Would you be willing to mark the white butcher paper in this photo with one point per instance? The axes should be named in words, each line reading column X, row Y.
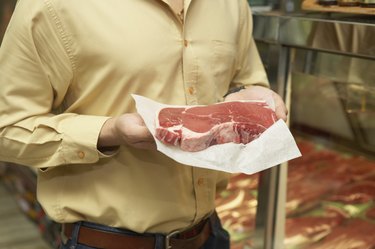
column 275, row 146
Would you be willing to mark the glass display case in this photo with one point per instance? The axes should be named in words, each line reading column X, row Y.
column 331, row 188
column 322, row 61
column 6, row 10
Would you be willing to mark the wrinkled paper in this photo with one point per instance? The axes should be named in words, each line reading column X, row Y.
column 275, row 145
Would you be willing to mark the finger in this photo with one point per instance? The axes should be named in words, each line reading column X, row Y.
column 281, row 112
column 146, row 145
column 139, row 133
column 139, row 120
column 145, row 133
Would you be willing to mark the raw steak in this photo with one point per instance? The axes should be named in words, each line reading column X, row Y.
column 196, row 128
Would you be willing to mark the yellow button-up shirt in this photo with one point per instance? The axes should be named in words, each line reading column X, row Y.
column 66, row 66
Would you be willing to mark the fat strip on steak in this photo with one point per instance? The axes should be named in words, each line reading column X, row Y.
column 196, row 128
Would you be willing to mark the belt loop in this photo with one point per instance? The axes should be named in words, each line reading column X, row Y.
column 159, row 241
column 75, row 234
column 212, row 220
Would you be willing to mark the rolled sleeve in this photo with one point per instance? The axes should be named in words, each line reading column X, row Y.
column 36, row 73
column 80, row 136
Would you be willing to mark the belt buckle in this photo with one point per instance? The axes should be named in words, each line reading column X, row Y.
column 168, row 239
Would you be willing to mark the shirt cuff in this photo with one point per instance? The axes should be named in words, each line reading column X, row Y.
column 80, row 137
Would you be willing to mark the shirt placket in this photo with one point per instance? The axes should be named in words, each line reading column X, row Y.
column 202, row 193
column 190, row 74
column 190, row 79
column 189, row 61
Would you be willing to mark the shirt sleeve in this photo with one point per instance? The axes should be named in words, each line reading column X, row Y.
column 36, row 71
column 250, row 69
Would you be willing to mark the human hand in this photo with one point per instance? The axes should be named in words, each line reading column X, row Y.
column 261, row 93
column 127, row 129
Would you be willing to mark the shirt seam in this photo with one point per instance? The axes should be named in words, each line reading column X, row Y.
column 242, row 16
column 240, row 52
column 62, row 33
column 28, row 160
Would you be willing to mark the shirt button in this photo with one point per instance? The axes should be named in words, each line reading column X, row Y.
column 191, row 90
column 200, row 181
column 186, row 43
column 81, row 154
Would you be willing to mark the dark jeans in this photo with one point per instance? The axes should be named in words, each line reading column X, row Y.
column 219, row 238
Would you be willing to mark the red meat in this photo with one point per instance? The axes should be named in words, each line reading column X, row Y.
column 359, row 192
column 356, row 234
column 196, row 128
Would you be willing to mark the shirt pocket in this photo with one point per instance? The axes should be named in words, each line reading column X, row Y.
column 224, row 62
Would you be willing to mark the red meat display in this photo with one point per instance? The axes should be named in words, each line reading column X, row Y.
column 330, row 201
column 305, row 230
column 359, row 192
column 354, row 234
column 370, row 214
column 337, row 187
column 236, row 207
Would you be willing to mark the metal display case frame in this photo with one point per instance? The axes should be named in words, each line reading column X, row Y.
column 281, row 34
